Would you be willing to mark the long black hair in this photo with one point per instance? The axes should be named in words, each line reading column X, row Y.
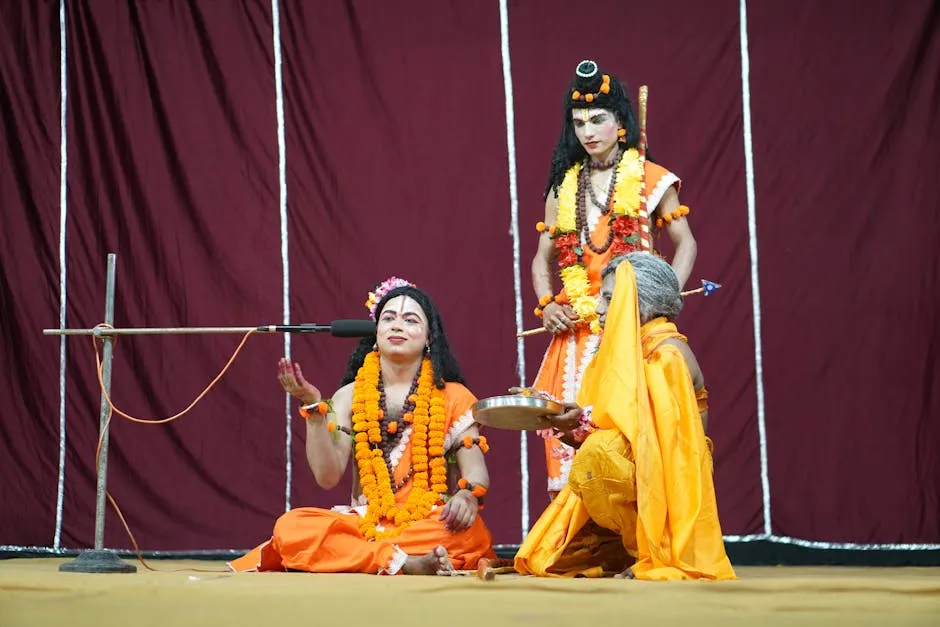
column 443, row 362
column 569, row 150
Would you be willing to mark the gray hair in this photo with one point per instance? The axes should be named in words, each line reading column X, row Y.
column 657, row 286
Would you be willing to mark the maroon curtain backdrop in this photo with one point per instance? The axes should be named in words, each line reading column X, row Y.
column 846, row 129
column 172, row 165
column 396, row 154
column 695, row 130
column 29, row 282
column 396, row 163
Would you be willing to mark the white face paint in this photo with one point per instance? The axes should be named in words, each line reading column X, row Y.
column 402, row 328
column 596, row 129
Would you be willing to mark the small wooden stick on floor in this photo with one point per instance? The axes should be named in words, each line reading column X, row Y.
column 485, row 571
column 487, row 568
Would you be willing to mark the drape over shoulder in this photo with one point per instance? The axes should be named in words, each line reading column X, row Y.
column 646, row 474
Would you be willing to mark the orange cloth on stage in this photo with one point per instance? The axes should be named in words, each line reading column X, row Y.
column 645, row 474
column 326, row 541
column 329, row 541
column 568, row 353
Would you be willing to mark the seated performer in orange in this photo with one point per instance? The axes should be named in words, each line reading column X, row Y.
column 640, row 499
column 603, row 198
column 419, row 473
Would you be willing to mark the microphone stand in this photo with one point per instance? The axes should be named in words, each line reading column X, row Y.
column 99, row 559
column 107, row 332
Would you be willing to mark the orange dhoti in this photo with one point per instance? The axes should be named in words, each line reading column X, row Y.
column 560, row 375
column 569, row 353
column 328, row 541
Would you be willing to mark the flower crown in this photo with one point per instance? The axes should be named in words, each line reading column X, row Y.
column 383, row 288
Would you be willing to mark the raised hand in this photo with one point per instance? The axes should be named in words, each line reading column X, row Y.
column 291, row 378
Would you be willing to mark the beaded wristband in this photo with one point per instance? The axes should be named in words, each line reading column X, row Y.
column 479, row 490
column 543, row 303
column 320, row 408
column 469, row 442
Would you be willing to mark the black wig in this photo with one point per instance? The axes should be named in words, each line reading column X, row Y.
column 588, row 79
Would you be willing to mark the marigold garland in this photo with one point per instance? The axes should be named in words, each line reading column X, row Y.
column 429, row 478
column 624, row 222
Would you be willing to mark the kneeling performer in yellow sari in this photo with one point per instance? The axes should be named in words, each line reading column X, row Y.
column 640, row 499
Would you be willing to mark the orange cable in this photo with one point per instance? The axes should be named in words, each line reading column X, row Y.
column 112, row 410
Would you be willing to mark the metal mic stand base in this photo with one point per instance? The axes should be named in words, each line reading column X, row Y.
column 97, row 561
column 100, row 560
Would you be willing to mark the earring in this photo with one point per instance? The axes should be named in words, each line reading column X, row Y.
column 622, row 136
column 427, row 348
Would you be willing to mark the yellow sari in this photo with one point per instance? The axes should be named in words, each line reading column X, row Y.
column 640, row 489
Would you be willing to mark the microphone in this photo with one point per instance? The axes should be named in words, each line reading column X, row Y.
column 337, row 328
column 352, row 328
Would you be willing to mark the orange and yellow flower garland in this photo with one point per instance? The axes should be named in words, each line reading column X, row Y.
column 427, row 451
column 624, row 215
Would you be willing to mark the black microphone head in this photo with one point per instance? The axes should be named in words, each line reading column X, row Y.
column 352, row 328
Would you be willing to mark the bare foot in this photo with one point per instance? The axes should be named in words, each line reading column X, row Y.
column 626, row 574
column 434, row 563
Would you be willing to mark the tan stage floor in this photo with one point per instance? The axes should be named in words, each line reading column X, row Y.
column 34, row 592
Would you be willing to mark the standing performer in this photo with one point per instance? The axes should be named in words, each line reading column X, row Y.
column 603, row 199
